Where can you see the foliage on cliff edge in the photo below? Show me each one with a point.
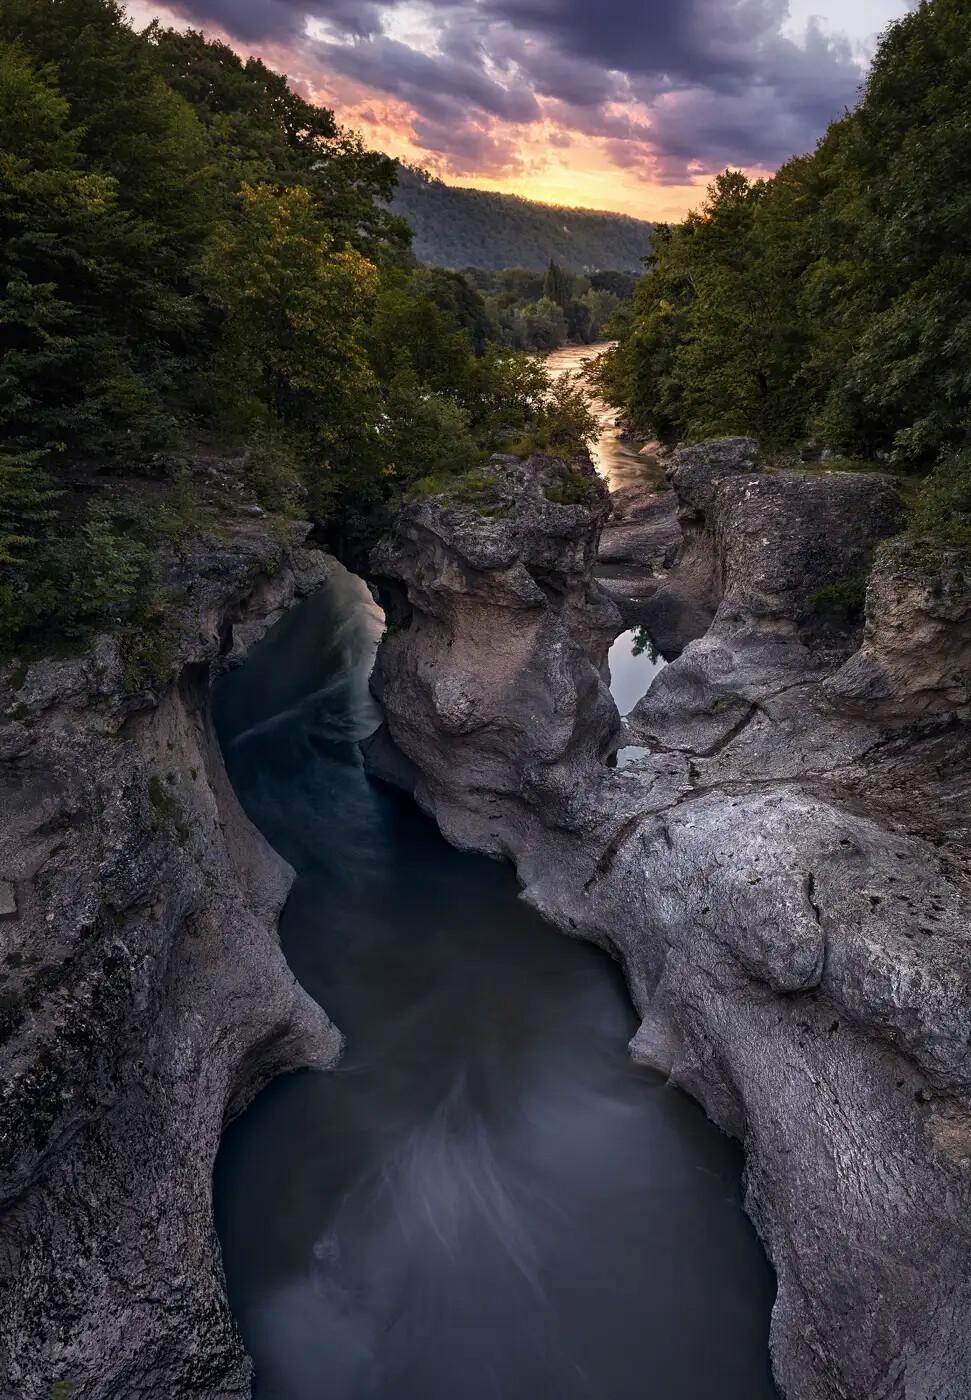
(830, 306)
(197, 267)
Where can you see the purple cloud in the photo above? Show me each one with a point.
(720, 81)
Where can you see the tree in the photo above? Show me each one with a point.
(557, 284)
(833, 301)
(75, 319)
(295, 310)
(264, 131)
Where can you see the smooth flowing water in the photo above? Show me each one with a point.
(486, 1200)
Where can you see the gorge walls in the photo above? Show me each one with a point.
(781, 868)
(144, 996)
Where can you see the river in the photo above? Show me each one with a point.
(486, 1200)
(633, 661)
(620, 462)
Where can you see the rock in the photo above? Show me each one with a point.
(694, 472)
(145, 997)
(8, 900)
(638, 544)
(916, 654)
(679, 605)
(508, 598)
(758, 543)
(786, 884)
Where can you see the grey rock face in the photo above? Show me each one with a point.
(916, 654)
(786, 883)
(507, 598)
(144, 999)
(639, 543)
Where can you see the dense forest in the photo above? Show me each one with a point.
(827, 311)
(455, 227)
(199, 267)
(526, 310)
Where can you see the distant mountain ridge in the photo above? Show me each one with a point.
(457, 228)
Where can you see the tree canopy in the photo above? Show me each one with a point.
(195, 260)
(457, 227)
(828, 308)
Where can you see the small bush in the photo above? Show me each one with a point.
(562, 424)
(943, 507)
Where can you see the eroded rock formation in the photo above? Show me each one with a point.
(781, 865)
(144, 997)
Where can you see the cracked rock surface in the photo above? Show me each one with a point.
(143, 997)
(783, 870)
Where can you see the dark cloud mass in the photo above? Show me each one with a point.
(670, 87)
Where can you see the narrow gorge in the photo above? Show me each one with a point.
(780, 865)
(771, 844)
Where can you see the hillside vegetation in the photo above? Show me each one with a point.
(829, 308)
(206, 306)
(459, 228)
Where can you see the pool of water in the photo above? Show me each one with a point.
(634, 661)
(486, 1200)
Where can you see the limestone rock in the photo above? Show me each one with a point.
(916, 654)
(143, 997)
(8, 900)
(786, 884)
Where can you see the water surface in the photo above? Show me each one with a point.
(620, 462)
(633, 661)
(486, 1201)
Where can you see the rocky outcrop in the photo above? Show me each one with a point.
(143, 994)
(510, 604)
(916, 654)
(780, 877)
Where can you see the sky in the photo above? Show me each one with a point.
(630, 105)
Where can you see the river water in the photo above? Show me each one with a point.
(619, 461)
(486, 1200)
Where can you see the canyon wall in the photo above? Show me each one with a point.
(144, 996)
(781, 863)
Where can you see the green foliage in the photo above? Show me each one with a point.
(528, 310)
(149, 645)
(831, 303)
(644, 643)
(294, 311)
(943, 508)
(197, 261)
(25, 504)
(562, 424)
(263, 132)
(460, 228)
(573, 488)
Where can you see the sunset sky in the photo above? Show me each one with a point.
(613, 104)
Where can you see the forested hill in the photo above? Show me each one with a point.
(476, 228)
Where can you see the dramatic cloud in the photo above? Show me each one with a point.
(666, 90)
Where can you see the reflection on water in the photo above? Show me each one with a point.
(486, 1201)
(634, 661)
(618, 461)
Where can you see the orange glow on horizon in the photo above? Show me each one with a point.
(549, 164)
